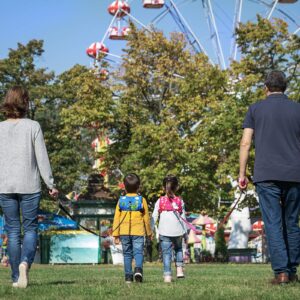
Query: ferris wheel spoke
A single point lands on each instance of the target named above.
(110, 54)
(236, 21)
(273, 6)
(297, 30)
(161, 15)
(214, 32)
(136, 20)
(277, 9)
(182, 19)
(108, 29)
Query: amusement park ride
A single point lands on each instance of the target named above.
(122, 12)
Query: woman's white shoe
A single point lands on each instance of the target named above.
(23, 276)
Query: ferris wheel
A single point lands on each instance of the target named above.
(222, 19)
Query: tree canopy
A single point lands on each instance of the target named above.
(166, 109)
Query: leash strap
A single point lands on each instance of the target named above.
(79, 225)
(189, 225)
(83, 227)
(224, 221)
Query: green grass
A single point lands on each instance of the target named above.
(203, 281)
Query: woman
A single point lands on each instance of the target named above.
(23, 158)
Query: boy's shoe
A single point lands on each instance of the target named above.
(23, 277)
(128, 278)
(167, 278)
(138, 274)
(15, 285)
(179, 271)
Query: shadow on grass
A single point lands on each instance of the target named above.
(54, 282)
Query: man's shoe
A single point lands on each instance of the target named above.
(128, 278)
(23, 275)
(280, 279)
(293, 278)
(179, 272)
(138, 274)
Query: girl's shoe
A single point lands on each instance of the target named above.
(23, 276)
(167, 278)
(179, 271)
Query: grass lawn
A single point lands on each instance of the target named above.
(204, 281)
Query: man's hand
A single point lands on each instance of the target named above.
(53, 192)
(117, 240)
(243, 182)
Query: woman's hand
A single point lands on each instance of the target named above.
(53, 192)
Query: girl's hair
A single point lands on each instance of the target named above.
(16, 103)
(170, 184)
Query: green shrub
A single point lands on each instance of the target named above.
(221, 253)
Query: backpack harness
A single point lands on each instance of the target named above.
(131, 203)
(170, 204)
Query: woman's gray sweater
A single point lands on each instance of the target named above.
(23, 157)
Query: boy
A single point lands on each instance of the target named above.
(131, 224)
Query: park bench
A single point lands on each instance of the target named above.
(243, 255)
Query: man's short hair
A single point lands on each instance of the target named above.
(132, 183)
(276, 81)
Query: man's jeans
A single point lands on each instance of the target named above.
(11, 205)
(133, 247)
(280, 205)
(166, 243)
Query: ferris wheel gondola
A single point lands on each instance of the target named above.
(95, 48)
(153, 3)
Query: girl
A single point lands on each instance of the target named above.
(170, 210)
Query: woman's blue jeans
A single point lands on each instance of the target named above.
(133, 247)
(167, 243)
(280, 206)
(11, 205)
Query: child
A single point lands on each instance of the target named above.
(131, 224)
(4, 257)
(170, 210)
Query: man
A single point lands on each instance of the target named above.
(275, 124)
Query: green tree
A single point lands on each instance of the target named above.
(85, 107)
(20, 68)
(165, 92)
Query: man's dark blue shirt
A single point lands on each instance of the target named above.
(276, 125)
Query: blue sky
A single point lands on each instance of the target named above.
(68, 27)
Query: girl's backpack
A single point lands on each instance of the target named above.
(170, 204)
(134, 203)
